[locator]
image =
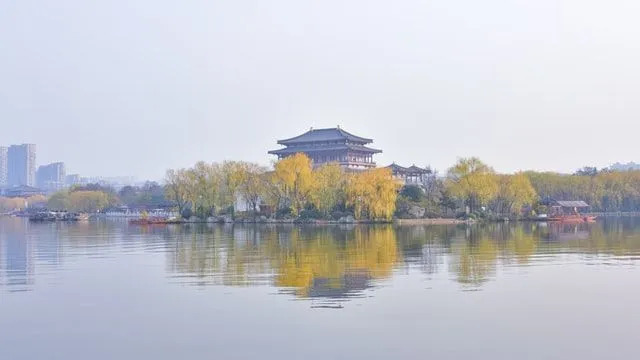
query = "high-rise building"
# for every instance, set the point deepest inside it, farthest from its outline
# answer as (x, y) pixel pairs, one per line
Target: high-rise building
(51, 177)
(72, 179)
(4, 166)
(22, 165)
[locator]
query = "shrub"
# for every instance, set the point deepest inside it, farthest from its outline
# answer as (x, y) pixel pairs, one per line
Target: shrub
(284, 213)
(413, 193)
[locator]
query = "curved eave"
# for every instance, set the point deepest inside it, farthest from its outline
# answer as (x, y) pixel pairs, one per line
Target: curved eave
(293, 149)
(343, 135)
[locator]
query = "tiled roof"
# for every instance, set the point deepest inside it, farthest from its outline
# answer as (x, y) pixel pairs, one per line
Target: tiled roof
(577, 204)
(306, 149)
(332, 134)
(412, 169)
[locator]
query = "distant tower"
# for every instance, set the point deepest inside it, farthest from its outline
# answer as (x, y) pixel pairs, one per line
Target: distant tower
(4, 166)
(22, 165)
(51, 177)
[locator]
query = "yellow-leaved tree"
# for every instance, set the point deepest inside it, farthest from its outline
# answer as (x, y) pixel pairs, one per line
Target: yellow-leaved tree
(234, 174)
(329, 185)
(373, 194)
(515, 191)
(253, 186)
(472, 181)
(175, 188)
(88, 201)
(294, 176)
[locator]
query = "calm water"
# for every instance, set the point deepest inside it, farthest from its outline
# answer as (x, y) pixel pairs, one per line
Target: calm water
(107, 290)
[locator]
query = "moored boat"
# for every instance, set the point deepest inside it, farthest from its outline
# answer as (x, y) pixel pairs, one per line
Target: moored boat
(153, 221)
(569, 212)
(57, 216)
(572, 218)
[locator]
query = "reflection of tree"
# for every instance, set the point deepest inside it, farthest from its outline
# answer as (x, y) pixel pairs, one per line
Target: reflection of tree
(476, 258)
(339, 262)
(610, 236)
(367, 252)
(521, 244)
(305, 259)
(332, 262)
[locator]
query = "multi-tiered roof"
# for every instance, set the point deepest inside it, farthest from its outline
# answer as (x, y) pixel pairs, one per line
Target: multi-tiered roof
(330, 145)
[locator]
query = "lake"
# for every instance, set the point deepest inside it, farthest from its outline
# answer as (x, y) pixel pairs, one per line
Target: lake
(108, 290)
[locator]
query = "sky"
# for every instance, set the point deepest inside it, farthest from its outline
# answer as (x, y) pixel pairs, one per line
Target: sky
(132, 88)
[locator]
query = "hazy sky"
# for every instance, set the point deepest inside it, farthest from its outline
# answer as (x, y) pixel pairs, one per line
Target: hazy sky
(134, 87)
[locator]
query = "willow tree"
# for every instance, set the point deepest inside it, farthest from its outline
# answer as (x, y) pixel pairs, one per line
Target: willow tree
(294, 176)
(373, 193)
(234, 174)
(88, 201)
(253, 186)
(328, 189)
(514, 191)
(472, 181)
(176, 188)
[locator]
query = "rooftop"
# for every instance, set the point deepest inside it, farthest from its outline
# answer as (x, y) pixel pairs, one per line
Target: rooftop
(322, 135)
(308, 148)
(411, 169)
(571, 204)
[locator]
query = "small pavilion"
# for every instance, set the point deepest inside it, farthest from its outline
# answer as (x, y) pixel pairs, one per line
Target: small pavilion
(411, 175)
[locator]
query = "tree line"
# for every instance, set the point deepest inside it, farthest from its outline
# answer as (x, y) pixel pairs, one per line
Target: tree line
(95, 197)
(294, 188)
(473, 187)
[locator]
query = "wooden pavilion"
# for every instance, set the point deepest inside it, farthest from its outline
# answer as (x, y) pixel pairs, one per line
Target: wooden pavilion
(411, 175)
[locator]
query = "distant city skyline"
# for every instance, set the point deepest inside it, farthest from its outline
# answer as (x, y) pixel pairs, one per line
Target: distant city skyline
(541, 85)
(75, 177)
(21, 165)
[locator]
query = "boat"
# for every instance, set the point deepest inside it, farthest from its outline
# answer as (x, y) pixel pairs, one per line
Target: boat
(569, 212)
(154, 221)
(577, 218)
(43, 216)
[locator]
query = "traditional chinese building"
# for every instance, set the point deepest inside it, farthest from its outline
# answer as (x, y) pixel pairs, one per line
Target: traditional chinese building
(412, 175)
(330, 145)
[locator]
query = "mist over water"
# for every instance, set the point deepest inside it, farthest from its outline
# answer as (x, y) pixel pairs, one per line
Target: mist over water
(106, 289)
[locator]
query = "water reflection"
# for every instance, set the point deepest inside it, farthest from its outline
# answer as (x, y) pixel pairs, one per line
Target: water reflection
(333, 263)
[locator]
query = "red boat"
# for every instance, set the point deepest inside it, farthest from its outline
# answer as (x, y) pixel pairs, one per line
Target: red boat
(569, 212)
(573, 218)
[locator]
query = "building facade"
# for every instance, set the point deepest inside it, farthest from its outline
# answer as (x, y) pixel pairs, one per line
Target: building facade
(21, 165)
(51, 177)
(332, 145)
(72, 179)
(4, 166)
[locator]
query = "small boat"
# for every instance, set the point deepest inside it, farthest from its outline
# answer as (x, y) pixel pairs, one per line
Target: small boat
(153, 221)
(573, 218)
(569, 212)
(57, 216)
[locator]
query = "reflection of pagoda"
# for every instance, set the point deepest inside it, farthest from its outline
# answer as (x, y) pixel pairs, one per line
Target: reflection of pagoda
(352, 285)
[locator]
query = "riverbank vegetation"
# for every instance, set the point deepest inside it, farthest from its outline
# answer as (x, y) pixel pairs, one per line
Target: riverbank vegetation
(294, 189)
